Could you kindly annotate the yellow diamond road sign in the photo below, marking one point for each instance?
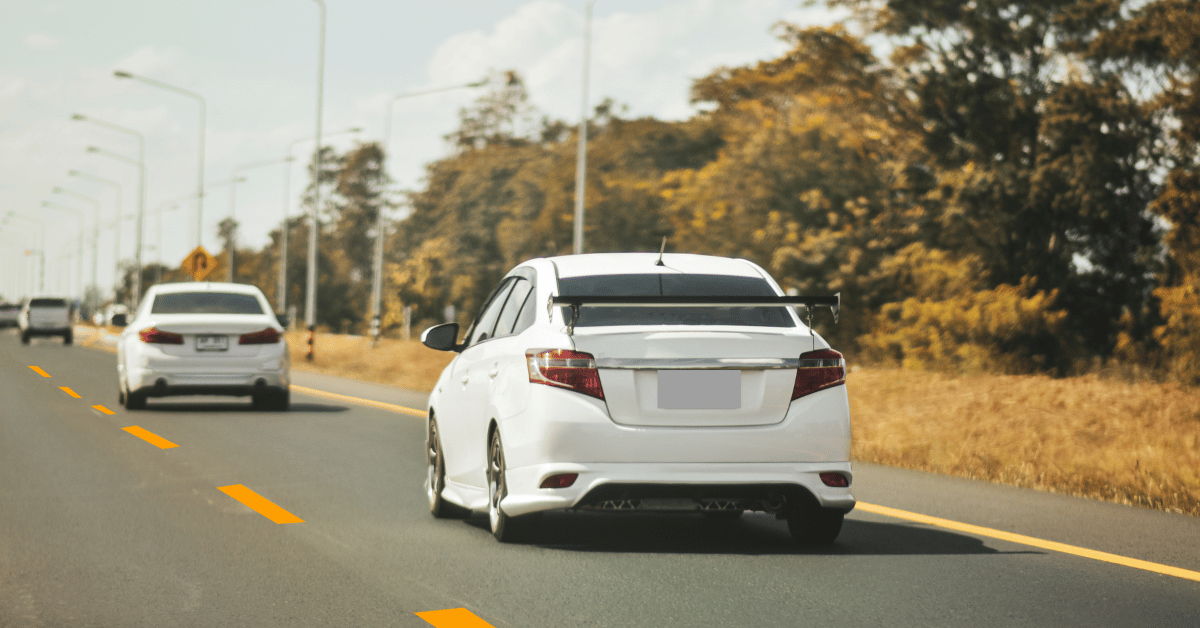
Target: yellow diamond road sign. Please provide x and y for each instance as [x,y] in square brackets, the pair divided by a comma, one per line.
[199,264]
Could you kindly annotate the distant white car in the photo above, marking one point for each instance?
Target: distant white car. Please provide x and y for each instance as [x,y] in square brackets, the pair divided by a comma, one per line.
[9,314]
[45,316]
[204,339]
[632,381]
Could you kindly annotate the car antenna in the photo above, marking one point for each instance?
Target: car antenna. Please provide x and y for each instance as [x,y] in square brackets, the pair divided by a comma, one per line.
[660,252]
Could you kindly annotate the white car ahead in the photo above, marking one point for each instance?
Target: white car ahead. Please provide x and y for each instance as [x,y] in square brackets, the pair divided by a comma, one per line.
[633,381]
[204,339]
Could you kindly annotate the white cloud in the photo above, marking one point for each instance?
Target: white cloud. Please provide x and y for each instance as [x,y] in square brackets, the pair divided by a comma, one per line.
[42,41]
[646,59]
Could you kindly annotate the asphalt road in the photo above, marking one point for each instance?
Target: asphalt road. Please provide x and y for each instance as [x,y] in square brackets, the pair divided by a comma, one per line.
[99,527]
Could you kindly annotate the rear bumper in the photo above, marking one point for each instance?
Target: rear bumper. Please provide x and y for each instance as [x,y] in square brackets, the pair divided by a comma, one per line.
[753,486]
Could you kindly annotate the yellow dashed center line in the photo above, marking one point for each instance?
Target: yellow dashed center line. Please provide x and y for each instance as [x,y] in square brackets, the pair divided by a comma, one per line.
[103,409]
[69,391]
[1082,552]
[150,437]
[259,504]
[453,618]
[362,402]
[39,371]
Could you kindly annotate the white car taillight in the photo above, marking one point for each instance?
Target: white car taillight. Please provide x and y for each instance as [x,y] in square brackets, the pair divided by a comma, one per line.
[563,368]
[157,336]
[819,370]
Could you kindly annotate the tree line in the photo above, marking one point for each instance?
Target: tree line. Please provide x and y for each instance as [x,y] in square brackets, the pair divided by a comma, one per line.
[1014,187]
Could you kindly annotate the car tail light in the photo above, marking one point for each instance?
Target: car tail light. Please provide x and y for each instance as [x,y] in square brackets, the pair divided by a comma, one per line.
[268,336]
[561,480]
[819,370]
[836,480]
[563,368]
[157,336]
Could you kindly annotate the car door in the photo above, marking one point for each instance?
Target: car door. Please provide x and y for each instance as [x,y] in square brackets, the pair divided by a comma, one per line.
[468,389]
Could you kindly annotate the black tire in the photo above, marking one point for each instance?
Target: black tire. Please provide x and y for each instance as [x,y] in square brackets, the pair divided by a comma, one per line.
[135,401]
[435,477]
[24,337]
[281,400]
[812,525]
[505,528]
[120,394]
[68,338]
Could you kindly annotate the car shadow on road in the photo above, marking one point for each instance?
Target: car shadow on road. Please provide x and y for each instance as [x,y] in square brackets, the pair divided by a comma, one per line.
[753,534]
[234,407]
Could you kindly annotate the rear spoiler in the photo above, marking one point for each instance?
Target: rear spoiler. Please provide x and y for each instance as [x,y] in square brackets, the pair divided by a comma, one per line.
[833,302]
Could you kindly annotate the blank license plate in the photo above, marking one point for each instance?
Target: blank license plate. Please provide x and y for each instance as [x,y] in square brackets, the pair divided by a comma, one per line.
[700,390]
[212,343]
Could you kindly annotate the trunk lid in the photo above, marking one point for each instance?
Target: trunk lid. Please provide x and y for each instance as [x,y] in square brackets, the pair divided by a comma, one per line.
[695,376]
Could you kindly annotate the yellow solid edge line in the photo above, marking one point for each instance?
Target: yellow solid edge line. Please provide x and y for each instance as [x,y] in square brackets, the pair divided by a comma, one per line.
[39,371]
[150,437]
[103,409]
[259,504]
[453,618]
[1166,570]
[365,402]
[69,391]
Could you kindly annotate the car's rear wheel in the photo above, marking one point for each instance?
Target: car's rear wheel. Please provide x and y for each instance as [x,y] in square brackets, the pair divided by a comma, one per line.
[24,337]
[435,477]
[68,338]
[505,528]
[135,400]
[276,400]
[812,525]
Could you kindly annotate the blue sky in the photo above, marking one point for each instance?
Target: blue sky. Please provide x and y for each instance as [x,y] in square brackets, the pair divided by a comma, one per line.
[255,63]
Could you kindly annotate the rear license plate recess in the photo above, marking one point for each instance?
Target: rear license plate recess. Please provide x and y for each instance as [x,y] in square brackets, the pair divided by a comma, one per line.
[212,342]
[712,389]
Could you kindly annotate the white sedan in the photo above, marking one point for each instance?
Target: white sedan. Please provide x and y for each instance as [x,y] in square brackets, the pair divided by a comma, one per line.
[632,381]
[204,339]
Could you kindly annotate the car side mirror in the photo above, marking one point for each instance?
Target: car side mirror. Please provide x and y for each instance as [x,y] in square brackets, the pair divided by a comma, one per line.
[283,320]
[442,337]
[119,320]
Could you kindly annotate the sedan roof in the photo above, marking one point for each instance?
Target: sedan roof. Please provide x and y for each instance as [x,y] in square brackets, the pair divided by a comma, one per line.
[646,264]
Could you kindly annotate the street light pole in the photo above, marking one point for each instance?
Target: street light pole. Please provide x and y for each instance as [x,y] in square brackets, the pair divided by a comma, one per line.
[310,301]
[200,176]
[581,154]
[377,266]
[41,230]
[230,275]
[281,299]
[95,221]
[138,238]
[141,164]
[24,249]
[82,225]
[117,235]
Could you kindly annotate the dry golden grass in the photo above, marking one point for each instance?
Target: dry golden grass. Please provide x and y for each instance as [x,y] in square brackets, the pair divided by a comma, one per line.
[1086,436]
[394,362]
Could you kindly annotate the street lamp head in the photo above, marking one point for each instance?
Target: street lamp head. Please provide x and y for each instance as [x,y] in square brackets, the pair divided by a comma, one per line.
[478,83]
[58,190]
[78,116]
[74,173]
[122,74]
[92,149]
[356,129]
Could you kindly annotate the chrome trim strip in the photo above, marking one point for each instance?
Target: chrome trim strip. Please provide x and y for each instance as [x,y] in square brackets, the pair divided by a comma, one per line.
[660,364]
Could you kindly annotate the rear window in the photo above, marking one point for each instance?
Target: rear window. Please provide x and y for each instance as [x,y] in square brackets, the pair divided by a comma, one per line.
[47,303]
[675,286]
[206,303]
